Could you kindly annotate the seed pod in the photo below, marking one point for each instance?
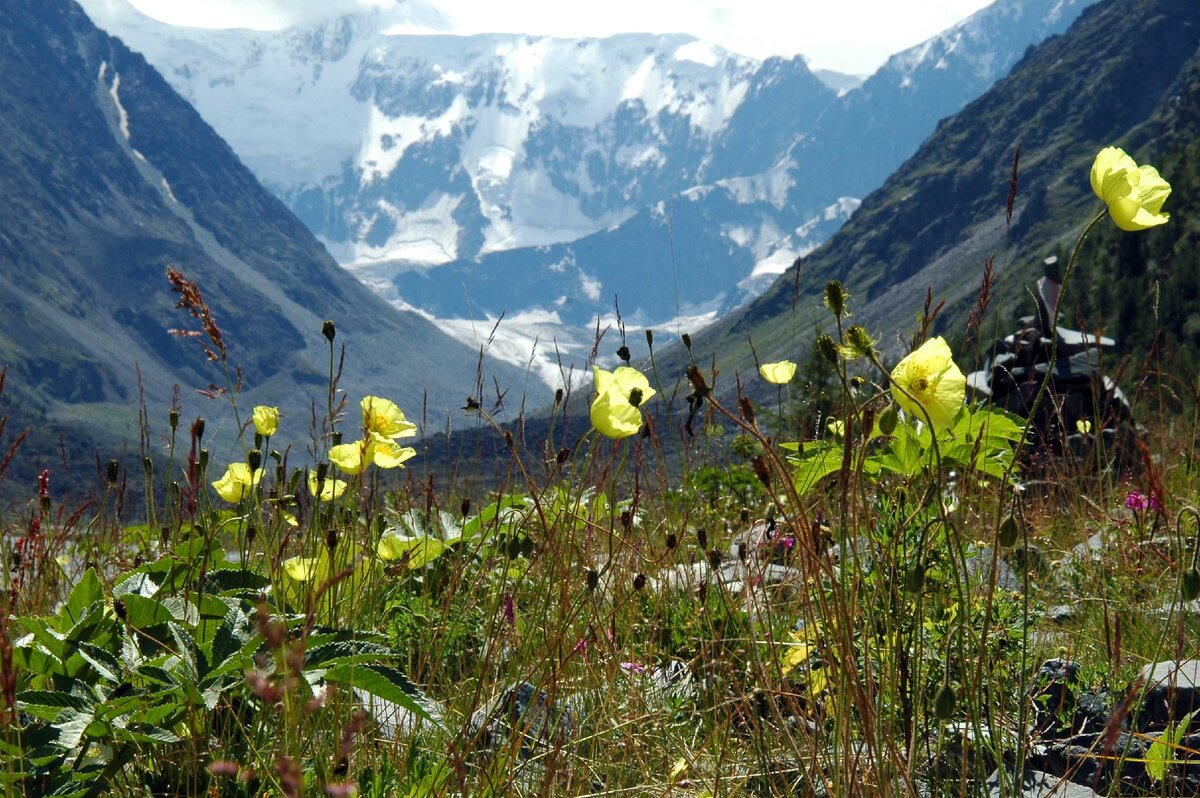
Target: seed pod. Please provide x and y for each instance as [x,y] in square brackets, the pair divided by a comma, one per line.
[173,419]
[465,507]
[112,471]
[639,581]
[687,341]
[1191,585]
[672,541]
[888,420]
[593,579]
[650,338]
[944,702]
[558,396]
[702,537]
[1006,536]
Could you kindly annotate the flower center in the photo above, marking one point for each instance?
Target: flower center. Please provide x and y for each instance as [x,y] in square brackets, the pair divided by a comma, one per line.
[635,397]
[922,384]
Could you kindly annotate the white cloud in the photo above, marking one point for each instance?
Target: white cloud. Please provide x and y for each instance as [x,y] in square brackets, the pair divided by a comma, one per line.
[849,35]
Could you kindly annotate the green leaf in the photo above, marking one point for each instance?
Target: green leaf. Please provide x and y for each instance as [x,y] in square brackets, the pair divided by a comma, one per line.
[231,635]
[238,581]
[1160,755]
[86,592]
[108,666]
[412,552]
[343,652]
[32,700]
[142,612]
[820,459]
[387,683]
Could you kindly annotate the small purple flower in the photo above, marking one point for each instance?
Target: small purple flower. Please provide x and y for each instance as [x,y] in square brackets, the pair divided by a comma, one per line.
[580,647]
[1136,500]
[510,610]
[634,667]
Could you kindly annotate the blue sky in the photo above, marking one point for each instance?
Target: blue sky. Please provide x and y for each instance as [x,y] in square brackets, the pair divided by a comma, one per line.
[853,36]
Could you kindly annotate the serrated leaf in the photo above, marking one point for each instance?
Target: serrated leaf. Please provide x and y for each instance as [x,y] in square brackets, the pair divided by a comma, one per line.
[236,580]
[345,652]
[231,635]
[389,684]
[142,612]
[29,699]
[145,733]
[108,666]
[71,726]
[86,592]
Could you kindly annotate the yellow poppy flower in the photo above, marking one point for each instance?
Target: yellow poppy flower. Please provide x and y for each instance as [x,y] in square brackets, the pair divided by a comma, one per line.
[928,378]
[236,482]
[351,457]
[382,417]
[389,454]
[266,420]
[619,396]
[778,373]
[1134,194]
[329,490]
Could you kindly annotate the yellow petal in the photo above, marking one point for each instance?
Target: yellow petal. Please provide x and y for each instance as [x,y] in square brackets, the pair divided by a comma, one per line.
[330,490]
[351,457]
[306,569]
[614,417]
[778,373]
[389,454]
[266,420]
[630,379]
[383,417]
[927,381]
[236,482]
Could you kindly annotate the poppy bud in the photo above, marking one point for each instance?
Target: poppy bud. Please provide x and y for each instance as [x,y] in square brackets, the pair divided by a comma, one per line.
[827,348]
[465,507]
[623,353]
[650,338]
[112,471]
[687,341]
[593,579]
[835,298]
[328,330]
[173,419]
[254,459]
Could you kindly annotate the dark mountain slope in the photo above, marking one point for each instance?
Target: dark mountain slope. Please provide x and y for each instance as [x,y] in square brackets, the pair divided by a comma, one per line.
[108,177]
[935,220]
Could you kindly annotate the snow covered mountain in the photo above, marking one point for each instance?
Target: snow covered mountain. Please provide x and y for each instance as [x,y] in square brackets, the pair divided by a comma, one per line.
[469,176]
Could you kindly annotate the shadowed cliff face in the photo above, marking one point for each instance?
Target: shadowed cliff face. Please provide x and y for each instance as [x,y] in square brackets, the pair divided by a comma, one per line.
[109,177]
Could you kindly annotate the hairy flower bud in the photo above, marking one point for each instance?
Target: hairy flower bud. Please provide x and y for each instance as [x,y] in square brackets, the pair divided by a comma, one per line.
[835,298]
[827,348]
[328,330]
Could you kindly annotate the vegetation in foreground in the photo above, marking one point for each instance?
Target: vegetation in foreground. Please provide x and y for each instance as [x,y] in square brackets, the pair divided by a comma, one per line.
[858,610]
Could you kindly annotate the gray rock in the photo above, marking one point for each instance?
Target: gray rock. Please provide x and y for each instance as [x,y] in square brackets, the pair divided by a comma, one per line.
[1172,691]
[524,712]
[1035,784]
